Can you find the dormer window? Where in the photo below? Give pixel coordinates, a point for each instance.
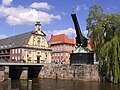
(5, 45)
(10, 44)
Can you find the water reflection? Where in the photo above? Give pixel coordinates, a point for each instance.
(19, 84)
(49, 84)
(36, 84)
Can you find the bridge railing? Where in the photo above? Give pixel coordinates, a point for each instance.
(18, 62)
(9, 61)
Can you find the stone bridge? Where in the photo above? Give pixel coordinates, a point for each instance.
(20, 70)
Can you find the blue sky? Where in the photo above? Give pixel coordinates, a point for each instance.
(19, 16)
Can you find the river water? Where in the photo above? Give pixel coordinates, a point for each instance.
(50, 84)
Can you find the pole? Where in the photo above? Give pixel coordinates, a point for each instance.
(9, 83)
(30, 85)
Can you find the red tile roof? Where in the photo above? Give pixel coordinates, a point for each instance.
(61, 38)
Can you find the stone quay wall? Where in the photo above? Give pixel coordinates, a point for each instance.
(55, 71)
(82, 72)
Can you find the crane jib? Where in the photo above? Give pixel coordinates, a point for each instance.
(80, 39)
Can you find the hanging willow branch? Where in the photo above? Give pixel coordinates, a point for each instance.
(111, 52)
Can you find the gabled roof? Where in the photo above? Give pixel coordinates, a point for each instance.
(17, 40)
(61, 38)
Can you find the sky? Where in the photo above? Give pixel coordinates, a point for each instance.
(19, 16)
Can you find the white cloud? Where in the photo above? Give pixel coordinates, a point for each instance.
(42, 5)
(70, 32)
(78, 8)
(3, 36)
(115, 7)
(109, 9)
(112, 8)
(6, 2)
(82, 7)
(64, 13)
(21, 15)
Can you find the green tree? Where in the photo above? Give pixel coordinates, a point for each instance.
(95, 28)
(104, 32)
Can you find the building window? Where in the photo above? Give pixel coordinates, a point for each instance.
(12, 57)
(67, 54)
(18, 50)
(59, 54)
(10, 45)
(13, 51)
(52, 54)
(25, 54)
(5, 45)
(54, 48)
(61, 48)
(29, 52)
(43, 42)
(18, 57)
(46, 54)
(39, 41)
(67, 47)
(58, 48)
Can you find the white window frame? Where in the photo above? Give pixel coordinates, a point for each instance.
(18, 57)
(13, 51)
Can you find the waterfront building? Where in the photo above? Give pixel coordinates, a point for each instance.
(30, 47)
(62, 46)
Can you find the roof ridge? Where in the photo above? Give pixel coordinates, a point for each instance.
(58, 34)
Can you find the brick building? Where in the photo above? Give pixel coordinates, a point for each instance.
(62, 46)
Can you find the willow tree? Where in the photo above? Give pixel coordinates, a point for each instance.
(110, 51)
(110, 55)
(104, 32)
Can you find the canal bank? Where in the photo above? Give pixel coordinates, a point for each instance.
(81, 72)
(61, 71)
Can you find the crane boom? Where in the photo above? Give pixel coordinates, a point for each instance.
(80, 39)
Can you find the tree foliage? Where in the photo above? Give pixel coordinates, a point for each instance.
(104, 32)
